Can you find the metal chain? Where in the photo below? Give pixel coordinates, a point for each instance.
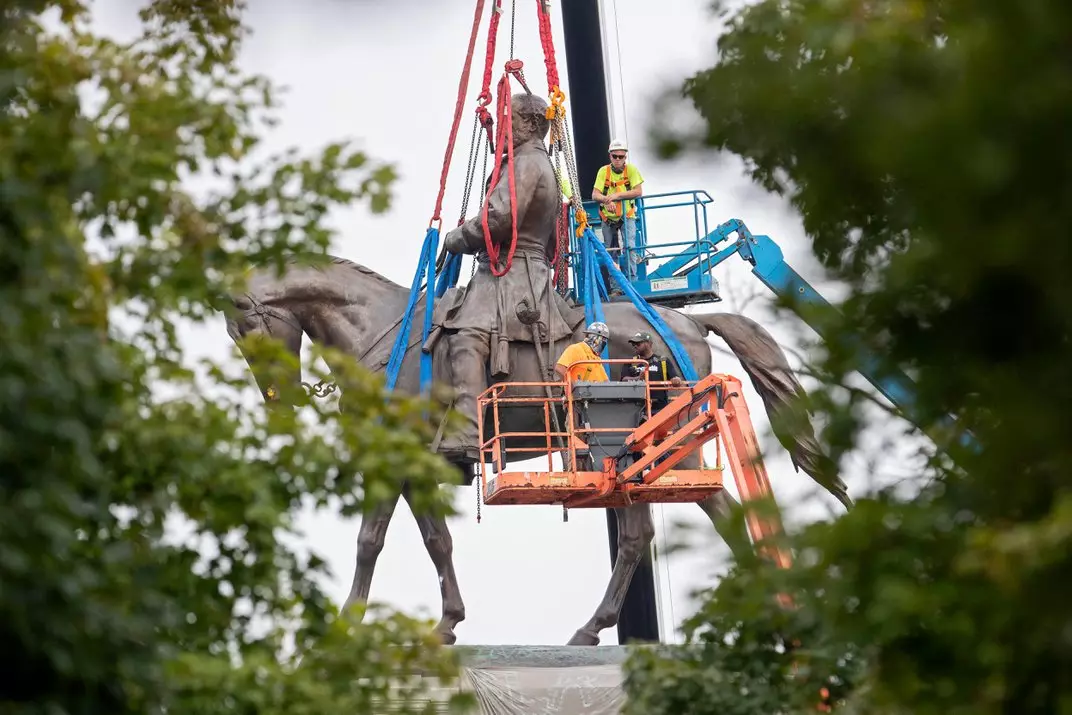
(478, 139)
(470, 171)
(320, 389)
(565, 147)
(559, 147)
(560, 131)
(484, 173)
(562, 241)
(478, 482)
(520, 74)
(513, 25)
(483, 190)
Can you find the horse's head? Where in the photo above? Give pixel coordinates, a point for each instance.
(337, 303)
(253, 324)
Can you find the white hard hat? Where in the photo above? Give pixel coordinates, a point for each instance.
(598, 328)
(618, 145)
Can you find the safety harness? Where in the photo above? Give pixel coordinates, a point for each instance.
(662, 367)
(620, 183)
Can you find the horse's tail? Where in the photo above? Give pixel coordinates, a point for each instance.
(767, 367)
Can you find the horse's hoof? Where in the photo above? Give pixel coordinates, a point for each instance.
(583, 637)
(446, 636)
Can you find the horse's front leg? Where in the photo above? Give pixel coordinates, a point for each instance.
(440, 547)
(635, 532)
(369, 545)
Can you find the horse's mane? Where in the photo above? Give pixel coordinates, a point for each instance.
(322, 263)
(347, 263)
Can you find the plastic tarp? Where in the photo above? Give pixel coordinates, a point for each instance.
(593, 689)
(539, 680)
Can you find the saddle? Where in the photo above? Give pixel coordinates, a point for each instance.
(448, 305)
(378, 354)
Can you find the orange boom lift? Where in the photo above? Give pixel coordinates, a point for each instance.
(615, 452)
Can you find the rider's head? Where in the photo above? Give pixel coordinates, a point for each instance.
(597, 335)
(529, 117)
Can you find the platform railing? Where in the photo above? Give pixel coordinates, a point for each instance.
(648, 250)
(569, 438)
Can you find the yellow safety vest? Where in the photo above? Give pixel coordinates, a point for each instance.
(623, 184)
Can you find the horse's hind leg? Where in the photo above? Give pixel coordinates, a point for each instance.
(719, 508)
(636, 529)
(440, 547)
(369, 545)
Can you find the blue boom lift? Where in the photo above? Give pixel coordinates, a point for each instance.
(679, 273)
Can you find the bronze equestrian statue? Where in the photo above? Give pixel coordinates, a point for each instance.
(520, 325)
(494, 310)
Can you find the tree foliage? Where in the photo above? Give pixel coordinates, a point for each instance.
(147, 552)
(923, 144)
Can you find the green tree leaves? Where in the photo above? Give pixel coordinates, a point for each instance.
(927, 158)
(147, 551)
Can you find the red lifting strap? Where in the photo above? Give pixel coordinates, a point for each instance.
(489, 57)
(484, 98)
(463, 84)
(546, 41)
(504, 145)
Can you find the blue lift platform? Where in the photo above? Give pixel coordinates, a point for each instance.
(679, 272)
(675, 273)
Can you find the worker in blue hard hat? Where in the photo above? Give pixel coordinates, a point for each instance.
(617, 185)
(570, 367)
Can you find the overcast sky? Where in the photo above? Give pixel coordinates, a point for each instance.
(386, 74)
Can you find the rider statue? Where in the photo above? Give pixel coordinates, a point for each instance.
(495, 310)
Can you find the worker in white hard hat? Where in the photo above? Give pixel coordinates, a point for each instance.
(570, 367)
(617, 184)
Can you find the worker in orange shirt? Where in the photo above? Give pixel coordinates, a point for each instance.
(569, 367)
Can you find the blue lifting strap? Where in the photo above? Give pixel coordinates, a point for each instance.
(451, 271)
(593, 283)
(593, 252)
(590, 280)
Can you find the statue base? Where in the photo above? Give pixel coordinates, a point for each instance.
(539, 680)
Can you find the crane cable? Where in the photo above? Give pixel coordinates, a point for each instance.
(621, 75)
(625, 129)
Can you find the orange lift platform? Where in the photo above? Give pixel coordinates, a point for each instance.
(614, 451)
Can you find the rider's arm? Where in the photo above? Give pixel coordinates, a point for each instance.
(561, 370)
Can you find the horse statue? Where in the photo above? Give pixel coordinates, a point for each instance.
(345, 306)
